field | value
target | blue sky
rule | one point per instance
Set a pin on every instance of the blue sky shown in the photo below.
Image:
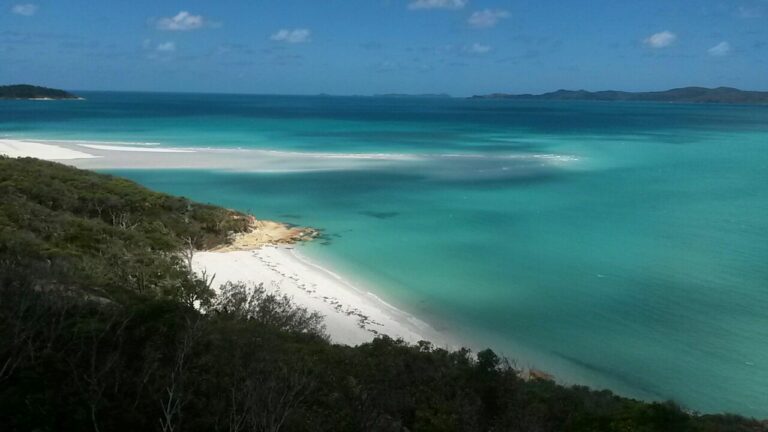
(460, 47)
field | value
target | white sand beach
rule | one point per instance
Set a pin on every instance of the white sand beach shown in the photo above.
(19, 148)
(96, 155)
(352, 315)
(267, 254)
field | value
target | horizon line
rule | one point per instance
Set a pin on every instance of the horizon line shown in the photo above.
(392, 94)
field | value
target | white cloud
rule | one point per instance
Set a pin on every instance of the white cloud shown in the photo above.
(477, 48)
(292, 36)
(720, 50)
(437, 4)
(166, 47)
(182, 21)
(661, 39)
(163, 51)
(27, 9)
(486, 18)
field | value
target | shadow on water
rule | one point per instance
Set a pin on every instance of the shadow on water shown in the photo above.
(612, 374)
(379, 215)
(326, 238)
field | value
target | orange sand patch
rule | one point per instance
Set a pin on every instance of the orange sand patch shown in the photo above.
(266, 232)
(535, 374)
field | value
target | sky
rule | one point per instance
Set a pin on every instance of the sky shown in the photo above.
(346, 47)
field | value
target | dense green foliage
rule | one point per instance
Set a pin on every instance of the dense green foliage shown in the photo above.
(103, 234)
(87, 346)
(25, 91)
(684, 94)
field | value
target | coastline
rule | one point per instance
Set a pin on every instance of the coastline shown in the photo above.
(268, 255)
(352, 314)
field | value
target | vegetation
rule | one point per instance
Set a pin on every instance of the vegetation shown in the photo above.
(104, 235)
(685, 94)
(104, 328)
(25, 91)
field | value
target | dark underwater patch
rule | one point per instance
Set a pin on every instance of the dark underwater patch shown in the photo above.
(380, 215)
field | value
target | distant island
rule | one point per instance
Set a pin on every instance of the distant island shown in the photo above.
(727, 95)
(406, 95)
(30, 92)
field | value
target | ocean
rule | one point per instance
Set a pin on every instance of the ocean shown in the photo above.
(618, 245)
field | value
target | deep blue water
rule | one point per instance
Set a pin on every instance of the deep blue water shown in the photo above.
(637, 262)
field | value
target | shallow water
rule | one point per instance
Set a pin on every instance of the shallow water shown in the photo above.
(638, 262)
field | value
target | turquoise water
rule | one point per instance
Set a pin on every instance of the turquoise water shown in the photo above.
(638, 264)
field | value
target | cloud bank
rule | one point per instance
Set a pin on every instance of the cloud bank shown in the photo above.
(27, 9)
(720, 50)
(477, 48)
(661, 39)
(292, 35)
(486, 18)
(183, 21)
(166, 47)
(437, 4)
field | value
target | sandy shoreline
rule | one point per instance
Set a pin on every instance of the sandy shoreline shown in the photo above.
(352, 315)
(267, 254)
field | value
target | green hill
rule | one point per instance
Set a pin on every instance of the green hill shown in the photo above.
(105, 328)
(25, 91)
